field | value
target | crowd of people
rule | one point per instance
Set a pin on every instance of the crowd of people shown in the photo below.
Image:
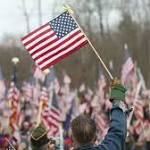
(44, 99)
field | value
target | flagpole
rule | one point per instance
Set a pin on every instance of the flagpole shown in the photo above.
(61, 138)
(93, 48)
(135, 99)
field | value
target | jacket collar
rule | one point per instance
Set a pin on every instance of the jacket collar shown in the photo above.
(85, 147)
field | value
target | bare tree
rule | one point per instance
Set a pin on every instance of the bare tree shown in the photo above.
(98, 5)
(40, 11)
(26, 15)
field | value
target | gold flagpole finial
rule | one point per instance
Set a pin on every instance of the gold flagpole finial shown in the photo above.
(68, 8)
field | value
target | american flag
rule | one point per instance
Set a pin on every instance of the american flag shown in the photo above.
(44, 96)
(137, 127)
(38, 74)
(51, 117)
(2, 85)
(128, 66)
(13, 97)
(139, 112)
(27, 91)
(54, 41)
(102, 124)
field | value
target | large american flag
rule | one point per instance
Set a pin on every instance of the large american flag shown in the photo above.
(54, 41)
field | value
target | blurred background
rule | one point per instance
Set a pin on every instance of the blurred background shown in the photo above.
(109, 25)
(119, 30)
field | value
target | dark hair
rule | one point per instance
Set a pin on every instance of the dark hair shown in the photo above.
(83, 129)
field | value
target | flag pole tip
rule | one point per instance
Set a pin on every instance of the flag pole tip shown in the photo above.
(68, 8)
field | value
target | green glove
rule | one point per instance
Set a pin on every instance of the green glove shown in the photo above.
(117, 91)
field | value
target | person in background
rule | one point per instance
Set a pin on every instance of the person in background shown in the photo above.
(39, 139)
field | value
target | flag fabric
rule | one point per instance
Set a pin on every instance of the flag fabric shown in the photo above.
(69, 115)
(2, 85)
(139, 112)
(102, 124)
(141, 79)
(54, 41)
(38, 74)
(128, 66)
(51, 117)
(27, 91)
(13, 97)
(101, 86)
(137, 127)
(44, 97)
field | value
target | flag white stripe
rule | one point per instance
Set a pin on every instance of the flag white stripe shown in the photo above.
(42, 44)
(59, 48)
(48, 112)
(55, 110)
(55, 44)
(53, 121)
(35, 34)
(62, 53)
(38, 39)
(57, 117)
(50, 121)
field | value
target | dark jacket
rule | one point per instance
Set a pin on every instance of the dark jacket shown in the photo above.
(115, 138)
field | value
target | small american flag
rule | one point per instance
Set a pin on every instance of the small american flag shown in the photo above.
(128, 66)
(139, 112)
(13, 95)
(54, 41)
(51, 116)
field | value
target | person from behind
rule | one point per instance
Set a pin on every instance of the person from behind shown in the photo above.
(84, 128)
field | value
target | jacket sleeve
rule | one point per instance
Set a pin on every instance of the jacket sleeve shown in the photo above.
(115, 138)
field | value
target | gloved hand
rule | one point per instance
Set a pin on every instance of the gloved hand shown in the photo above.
(117, 91)
(117, 96)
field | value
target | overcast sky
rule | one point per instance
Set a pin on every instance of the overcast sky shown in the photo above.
(13, 21)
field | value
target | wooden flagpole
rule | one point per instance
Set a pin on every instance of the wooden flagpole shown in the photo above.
(66, 7)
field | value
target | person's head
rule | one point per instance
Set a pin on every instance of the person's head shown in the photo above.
(39, 139)
(83, 130)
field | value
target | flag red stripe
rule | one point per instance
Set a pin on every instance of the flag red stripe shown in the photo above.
(63, 49)
(37, 36)
(41, 41)
(63, 56)
(54, 118)
(49, 122)
(63, 42)
(55, 110)
(46, 45)
(52, 124)
(36, 30)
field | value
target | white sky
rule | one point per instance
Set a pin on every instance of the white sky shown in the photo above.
(13, 22)
(12, 19)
